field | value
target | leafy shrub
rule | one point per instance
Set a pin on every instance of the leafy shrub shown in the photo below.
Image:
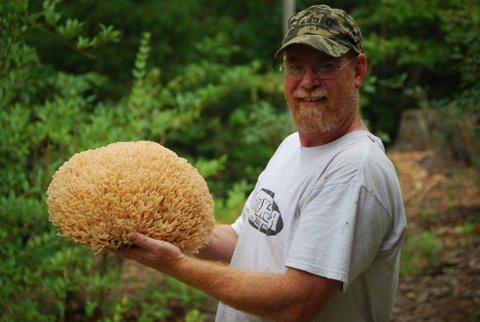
(48, 115)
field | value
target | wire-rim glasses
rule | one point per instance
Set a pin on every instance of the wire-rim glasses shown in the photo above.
(322, 70)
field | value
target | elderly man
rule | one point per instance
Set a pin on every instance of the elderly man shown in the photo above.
(320, 235)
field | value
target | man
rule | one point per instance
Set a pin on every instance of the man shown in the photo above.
(320, 235)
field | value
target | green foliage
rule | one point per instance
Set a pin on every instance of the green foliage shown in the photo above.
(195, 316)
(48, 115)
(230, 207)
(410, 44)
(475, 312)
(42, 277)
(420, 252)
(159, 300)
(466, 228)
(466, 233)
(427, 44)
(427, 215)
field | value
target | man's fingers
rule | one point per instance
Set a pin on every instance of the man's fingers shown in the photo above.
(143, 241)
(158, 254)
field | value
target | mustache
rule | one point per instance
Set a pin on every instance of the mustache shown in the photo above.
(304, 94)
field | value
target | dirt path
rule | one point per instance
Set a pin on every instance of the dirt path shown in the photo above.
(442, 201)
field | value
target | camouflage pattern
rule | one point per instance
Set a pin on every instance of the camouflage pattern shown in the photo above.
(329, 30)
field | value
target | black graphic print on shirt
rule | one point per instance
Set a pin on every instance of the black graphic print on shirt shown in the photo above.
(266, 216)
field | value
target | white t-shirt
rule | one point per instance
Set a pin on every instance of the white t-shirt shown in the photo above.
(334, 210)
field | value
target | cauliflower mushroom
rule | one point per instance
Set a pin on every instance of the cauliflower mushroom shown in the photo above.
(99, 196)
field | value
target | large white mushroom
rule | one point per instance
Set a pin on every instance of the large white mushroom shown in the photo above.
(99, 196)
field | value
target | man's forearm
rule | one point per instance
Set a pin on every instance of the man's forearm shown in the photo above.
(273, 296)
(221, 244)
(292, 296)
(246, 291)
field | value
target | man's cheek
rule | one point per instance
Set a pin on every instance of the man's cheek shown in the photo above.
(290, 100)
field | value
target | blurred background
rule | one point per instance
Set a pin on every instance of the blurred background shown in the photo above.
(199, 77)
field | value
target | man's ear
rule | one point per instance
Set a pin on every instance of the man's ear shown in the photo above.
(361, 70)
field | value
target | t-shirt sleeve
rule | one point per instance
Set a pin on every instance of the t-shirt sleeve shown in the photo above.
(340, 231)
(238, 225)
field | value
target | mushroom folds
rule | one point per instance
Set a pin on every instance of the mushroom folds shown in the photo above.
(99, 196)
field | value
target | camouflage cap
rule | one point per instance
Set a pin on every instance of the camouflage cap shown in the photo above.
(329, 30)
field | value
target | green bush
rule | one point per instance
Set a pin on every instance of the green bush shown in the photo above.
(48, 115)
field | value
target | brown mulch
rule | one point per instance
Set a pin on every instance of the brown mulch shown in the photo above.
(441, 198)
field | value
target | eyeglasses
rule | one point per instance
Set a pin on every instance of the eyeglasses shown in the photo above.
(323, 70)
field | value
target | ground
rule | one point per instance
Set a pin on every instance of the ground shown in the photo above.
(441, 281)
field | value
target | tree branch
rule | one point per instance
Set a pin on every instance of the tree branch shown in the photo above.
(57, 37)
(9, 49)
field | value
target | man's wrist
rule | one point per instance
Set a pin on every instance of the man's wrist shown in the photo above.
(176, 266)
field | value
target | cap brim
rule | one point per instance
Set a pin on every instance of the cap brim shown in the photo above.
(323, 44)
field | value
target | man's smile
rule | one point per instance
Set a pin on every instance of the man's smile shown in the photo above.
(311, 101)
(315, 99)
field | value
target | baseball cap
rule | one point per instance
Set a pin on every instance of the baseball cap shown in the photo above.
(326, 29)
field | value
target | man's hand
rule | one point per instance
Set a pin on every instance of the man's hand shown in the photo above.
(157, 254)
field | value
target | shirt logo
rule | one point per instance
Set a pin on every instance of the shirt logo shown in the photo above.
(266, 218)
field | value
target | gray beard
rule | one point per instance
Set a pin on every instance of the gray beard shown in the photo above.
(319, 121)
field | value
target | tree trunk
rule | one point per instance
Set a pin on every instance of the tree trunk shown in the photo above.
(288, 10)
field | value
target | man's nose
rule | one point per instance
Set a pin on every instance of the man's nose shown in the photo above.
(309, 79)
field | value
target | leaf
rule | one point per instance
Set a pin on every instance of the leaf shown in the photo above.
(70, 29)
